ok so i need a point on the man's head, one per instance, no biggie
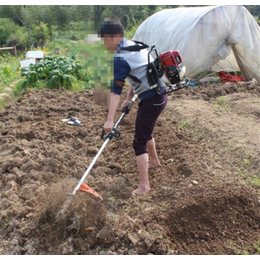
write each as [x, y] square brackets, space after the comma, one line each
[112, 33]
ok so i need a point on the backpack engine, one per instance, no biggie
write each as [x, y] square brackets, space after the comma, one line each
[164, 73]
[166, 67]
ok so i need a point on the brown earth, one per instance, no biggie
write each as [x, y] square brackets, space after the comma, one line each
[204, 198]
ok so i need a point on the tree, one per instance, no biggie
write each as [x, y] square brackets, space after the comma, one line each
[6, 28]
[39, 19]
[97, 11]
[152, 9]
[27, 19]
[40, 34]
[131, 15]
[254, 10]
[63, 14]
[10, 11]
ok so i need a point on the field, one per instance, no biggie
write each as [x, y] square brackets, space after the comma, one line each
[204, 198]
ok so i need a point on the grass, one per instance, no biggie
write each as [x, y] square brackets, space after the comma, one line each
[255, 182]
[184, 125]
[254, 249]
[221, 103]
[112, 199]
[246, 163]
[2, 103]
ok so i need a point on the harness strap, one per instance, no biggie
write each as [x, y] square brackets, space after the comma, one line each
[137, 47]
[135, 79]
[152, 75]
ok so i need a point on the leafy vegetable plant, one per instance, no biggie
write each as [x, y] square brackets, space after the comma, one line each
[56, 71]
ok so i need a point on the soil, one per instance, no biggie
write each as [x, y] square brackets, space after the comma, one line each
[204, 199]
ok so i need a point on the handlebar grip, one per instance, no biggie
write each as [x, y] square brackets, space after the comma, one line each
[127, 109]
[102, 135]
[114, 133]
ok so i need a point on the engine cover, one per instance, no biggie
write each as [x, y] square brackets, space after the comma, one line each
[171, 58]
[171, 65]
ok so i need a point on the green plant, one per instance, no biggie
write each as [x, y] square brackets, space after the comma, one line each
[257, 246]
[244, 252]
[221, 102]
[31, 146]
[246, 163]
[253, 249]
[255, 182]
[2, 103]
[112, 199]
[8, 68]
[56, 72]
[184, 124]
[40, 34]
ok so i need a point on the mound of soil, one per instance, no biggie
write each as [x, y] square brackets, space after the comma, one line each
[203, 199]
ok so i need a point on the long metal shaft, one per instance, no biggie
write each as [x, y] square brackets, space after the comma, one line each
[91, 165]
[108, 138]
[102, 147]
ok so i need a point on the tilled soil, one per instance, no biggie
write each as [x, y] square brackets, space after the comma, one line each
[204, 198]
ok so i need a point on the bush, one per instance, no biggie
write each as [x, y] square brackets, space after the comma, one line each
[40, 34]
[8, 68]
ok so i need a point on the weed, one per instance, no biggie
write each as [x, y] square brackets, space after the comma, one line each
[246, 163]
[221, 103]
[112, 199]
[255, 182]
[244, 252]
[8, 69]
[31, 146]
[2, 103]
[257, 246]
[184, 124]
[253, 249]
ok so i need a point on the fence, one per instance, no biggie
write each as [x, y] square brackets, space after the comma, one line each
[10, 48]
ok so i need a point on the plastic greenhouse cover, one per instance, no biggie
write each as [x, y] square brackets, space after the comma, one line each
[204, 36]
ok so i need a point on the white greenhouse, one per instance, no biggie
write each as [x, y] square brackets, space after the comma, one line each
[220, 37]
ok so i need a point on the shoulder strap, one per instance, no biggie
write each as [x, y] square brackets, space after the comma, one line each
[137, 47]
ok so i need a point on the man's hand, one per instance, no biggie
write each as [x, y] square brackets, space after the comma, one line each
[125, 103]
[108, 126]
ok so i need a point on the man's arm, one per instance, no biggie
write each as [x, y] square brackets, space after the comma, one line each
[129, 97]
[130, 93]
[121, 70]
[114, 102]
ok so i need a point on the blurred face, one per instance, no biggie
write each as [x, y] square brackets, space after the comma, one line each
[111, 41]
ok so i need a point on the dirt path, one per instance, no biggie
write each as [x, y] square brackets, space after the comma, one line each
[204, 198]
